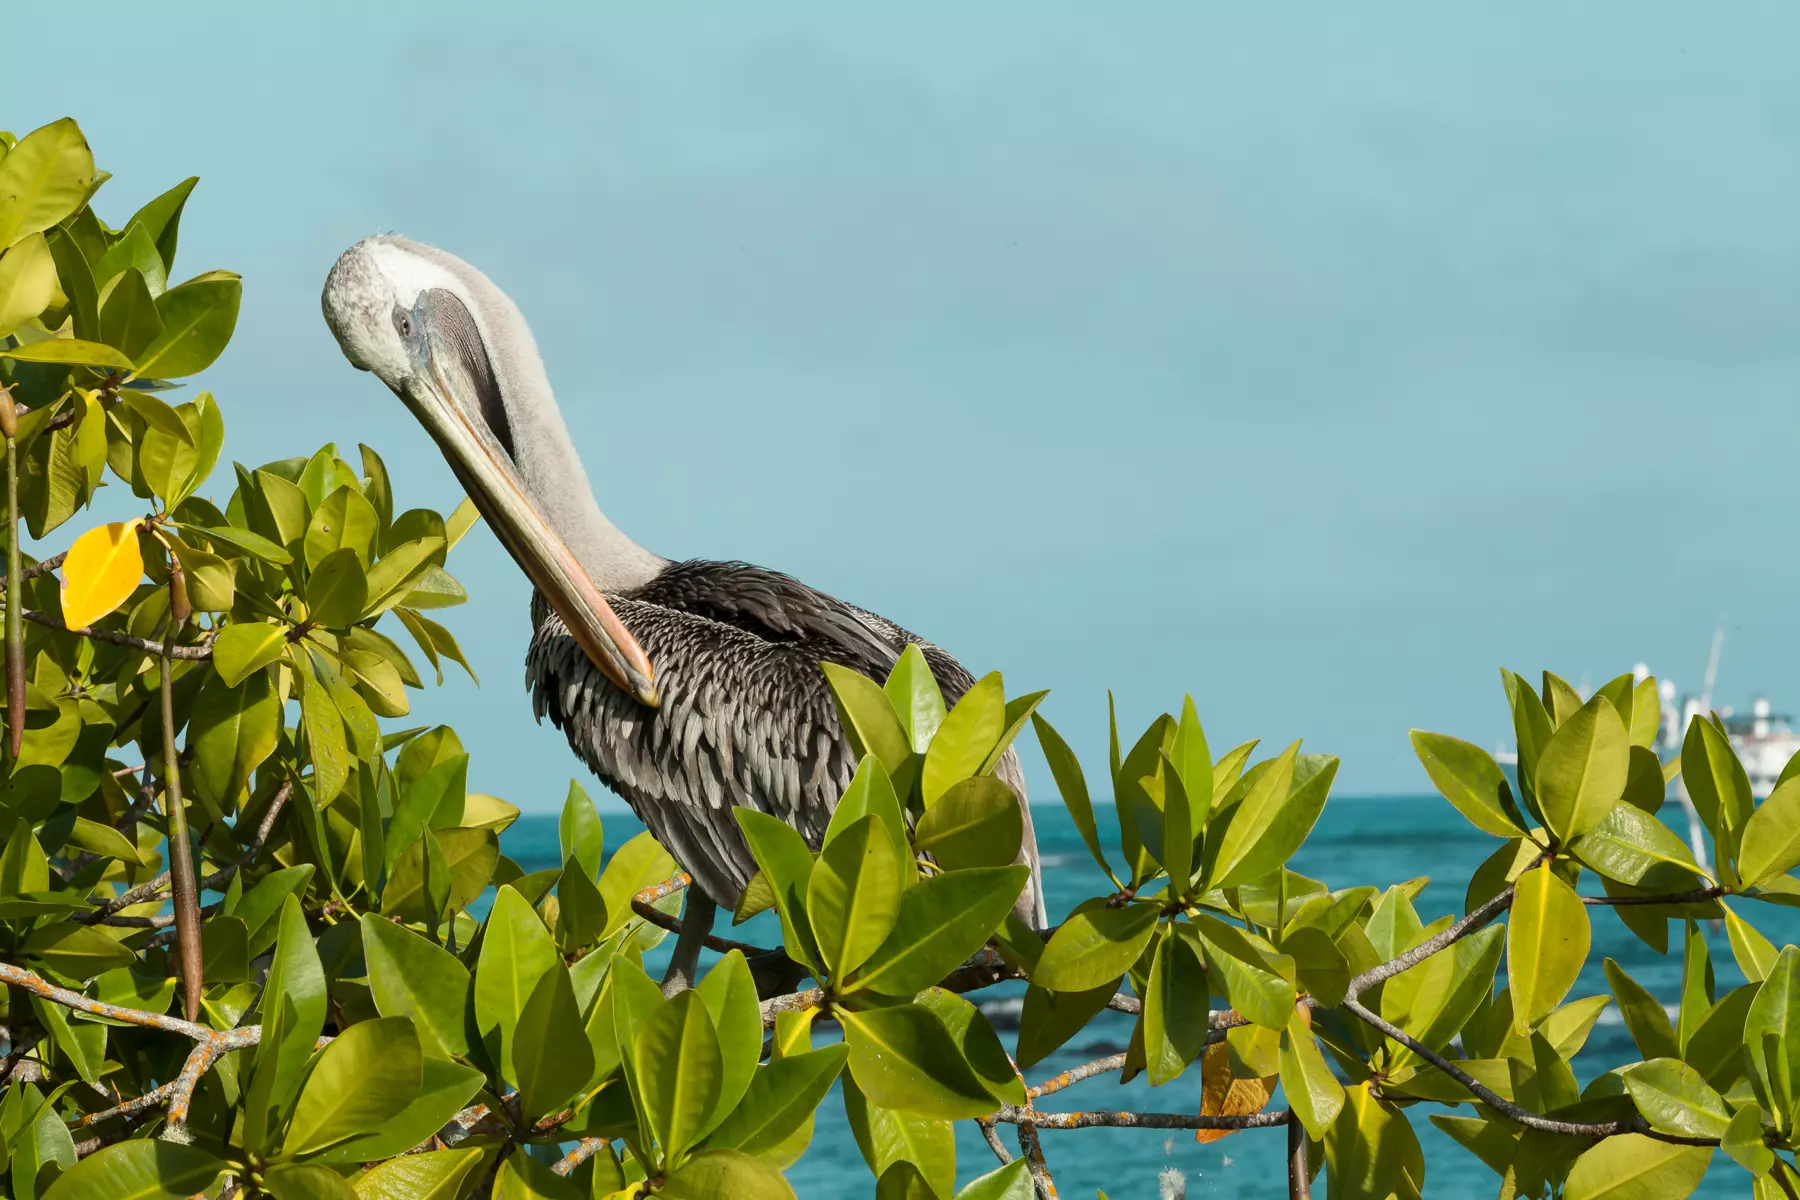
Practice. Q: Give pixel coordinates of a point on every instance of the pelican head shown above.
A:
(457, 352)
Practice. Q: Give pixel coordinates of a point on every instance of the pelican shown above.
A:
(687, 687)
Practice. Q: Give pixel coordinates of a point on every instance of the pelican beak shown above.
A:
(493, 483)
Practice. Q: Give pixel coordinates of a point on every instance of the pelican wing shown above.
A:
(746, 716)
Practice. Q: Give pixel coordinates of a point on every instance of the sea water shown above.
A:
(1359, 840)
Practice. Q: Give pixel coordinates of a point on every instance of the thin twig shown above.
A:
(1011, 1115)
(196, 653)
(1074, 1075)
(1033, 1150)
(1299, 1170)
(1505, 1107)
(30, 981)
(992, 1138)
(793, 1002)
(38, 568)
(1695, 897)
(642, 903)
(585, 1149)
(145, 892)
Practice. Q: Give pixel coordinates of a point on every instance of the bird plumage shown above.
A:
(746, 719)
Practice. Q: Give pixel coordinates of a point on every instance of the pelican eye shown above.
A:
(402, 322)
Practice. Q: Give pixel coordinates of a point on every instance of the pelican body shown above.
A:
(687, 687)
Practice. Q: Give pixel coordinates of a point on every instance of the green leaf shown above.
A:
(1582, 772)
(1470, 780)
(1175, 1008)
(886, 1136)
(871, 793)
(580, 833)
(1629, 843)
(976, 823)
(1755, 954)
(43, 179)
(1093, 946)
(1292, 821)
(1716, 783)
(910, 689)
(1675, 1099)
(411, 977)
(232, 732)
(244, 648)
(346, 521)
(1313, 1092)
(1771, 842)
(27, 282)
(1371, 1150)
(1744, 1141)
(367, 1075)
(392, 580)
(1072, 785)
(1547, 941)
(1249, 980)
(963, 740)
(324, 734)
(977, 1042)
(139, 1169)
(868, 720)
(522, 1177)
(1011, 1182)
(1635, 1167)
(337, 590)
(253, 544)
(725, 1175)
(1645, 1018)
(551, 1056)
(135, 250)
(638, 864)
(782, 857)
(293, 1008)
(161, 218)
(1018, 711)
(780, 1101)
(72, 351)
(729, 993)
(1241, 853)
(853, 898)
(1771, 1039)
(905, 1059)
(939, 924)
(1049, 1019)
(445, 1088)
(679, 1071)
(77, 951)
(516, 951)
(434, 1175)
(198, 319)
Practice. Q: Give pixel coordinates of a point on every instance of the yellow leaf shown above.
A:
(102, 570)
(1222, 1094)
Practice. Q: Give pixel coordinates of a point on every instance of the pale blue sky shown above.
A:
(1316, 359)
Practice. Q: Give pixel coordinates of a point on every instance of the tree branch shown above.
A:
(1505, 1107)
(642, 902)
(35, 569)
(1012, 1115)
(196, 653)
(1074, 1075)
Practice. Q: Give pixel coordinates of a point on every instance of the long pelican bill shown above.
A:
(487, 471)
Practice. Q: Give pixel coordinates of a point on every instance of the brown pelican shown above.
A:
(687, 687)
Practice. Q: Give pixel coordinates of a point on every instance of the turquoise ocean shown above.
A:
(1375, 840)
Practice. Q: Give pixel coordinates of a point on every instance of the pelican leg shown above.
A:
(696, 923)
